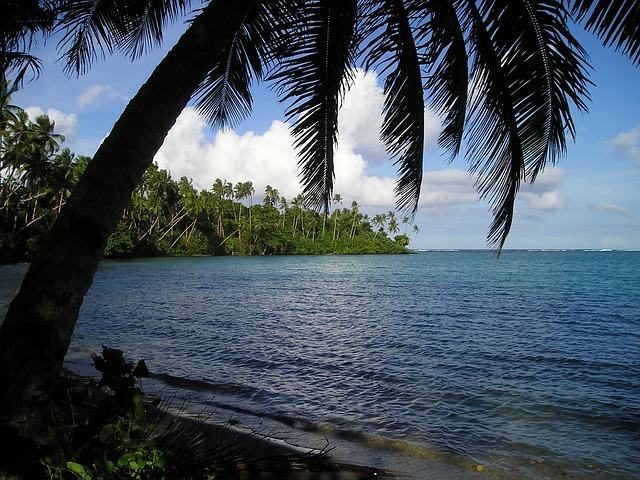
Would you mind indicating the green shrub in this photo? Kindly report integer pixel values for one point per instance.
(111, 440)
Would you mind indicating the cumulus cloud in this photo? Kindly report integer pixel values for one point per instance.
(447, 188)
(266, 159)
(627, 144)
(65, 123)
(360, 117)
(99, 94)
(545, 193)
(269, 158)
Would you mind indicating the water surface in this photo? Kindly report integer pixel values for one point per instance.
(528, 365)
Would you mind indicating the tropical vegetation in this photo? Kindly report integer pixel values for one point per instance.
(36, 178)
(505, 75)
(168, 217)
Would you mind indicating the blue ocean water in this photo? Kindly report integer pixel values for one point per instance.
(528, 365)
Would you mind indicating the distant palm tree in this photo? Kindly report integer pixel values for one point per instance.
(355, 218)
(337, 199)
(283, 206)
(504, 74)
(393, 223)
(271, 196)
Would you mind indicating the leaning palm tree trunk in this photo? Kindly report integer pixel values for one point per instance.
(36, 333)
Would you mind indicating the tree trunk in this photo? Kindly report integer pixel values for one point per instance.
(36, 333)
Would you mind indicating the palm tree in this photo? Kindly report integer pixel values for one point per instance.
(355, 220)
(504, 74)
(271, 196)
(393, 223)
(20, 24)
(337, 198)
(283, 206)
(379, 220)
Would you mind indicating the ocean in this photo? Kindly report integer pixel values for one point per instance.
(525, 367)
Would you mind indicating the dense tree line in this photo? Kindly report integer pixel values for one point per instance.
(168, 217)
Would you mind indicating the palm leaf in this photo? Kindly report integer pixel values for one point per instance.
(20, 23)
(313, 78)
(392, 48)
(224, 98)
(95, 28)
(147, 20)
(615, 22)
(527, 70)
(86, 25)
(447, 64)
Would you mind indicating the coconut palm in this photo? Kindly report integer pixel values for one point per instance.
(271, 196)
(20, 23)
(504, 74)
(379, 220)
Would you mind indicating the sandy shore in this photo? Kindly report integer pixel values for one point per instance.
(248, 453)
(254, 456)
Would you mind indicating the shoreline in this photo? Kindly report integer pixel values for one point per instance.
(269, 449)
(345, 455)
(269, 457)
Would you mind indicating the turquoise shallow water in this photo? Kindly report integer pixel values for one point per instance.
(528, 365)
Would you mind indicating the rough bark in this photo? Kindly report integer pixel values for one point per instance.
(37, 330)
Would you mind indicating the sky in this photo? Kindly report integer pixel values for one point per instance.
(589, 200)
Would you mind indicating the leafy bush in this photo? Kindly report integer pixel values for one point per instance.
(112, 439)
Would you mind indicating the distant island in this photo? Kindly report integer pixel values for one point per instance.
(166, 217)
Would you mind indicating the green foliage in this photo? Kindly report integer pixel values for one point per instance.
(36, 179)
(113, 439)
(172, 218)
(167, 217)
(120, 243)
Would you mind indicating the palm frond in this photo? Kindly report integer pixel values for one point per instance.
(96, 28)
(448, 69)
(146, 21)
(87, 26)
(16, 65)
(615, 22)
(392, 48)
(528, 70)
(20, 23)
(224, 98)
(313, 78)
(493, 147)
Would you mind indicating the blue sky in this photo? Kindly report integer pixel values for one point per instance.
(590, 200)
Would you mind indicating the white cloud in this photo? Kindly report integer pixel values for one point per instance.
(610, 208)
(97, 95)
(65, 123)
(266, 159)
(545, 194)
(546, 201)
(447, 188)
(360, 117)
(269, 158)
(627, 144)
